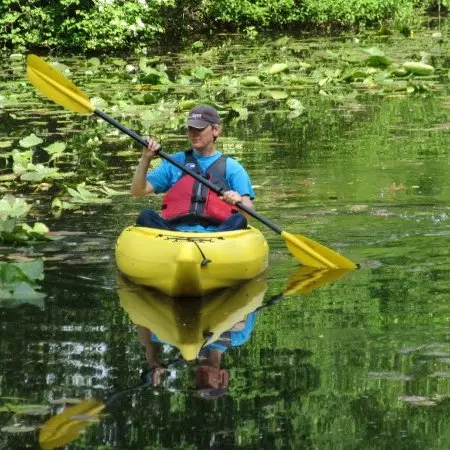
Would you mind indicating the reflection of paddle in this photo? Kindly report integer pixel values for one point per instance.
(305, 280)
(62, 91)
(67, 426)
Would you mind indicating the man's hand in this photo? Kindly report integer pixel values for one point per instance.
(152, 149)
(231, 197)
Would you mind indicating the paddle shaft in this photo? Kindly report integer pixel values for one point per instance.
(183, 168)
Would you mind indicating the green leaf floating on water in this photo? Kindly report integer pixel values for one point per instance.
(30, 141)
(277, 95)
(377, 58)
(13, 274)
(418, 68)
(18, 428)
(13, 207)
(39, 172)
(12, 210)
(55, 150)
(99, 102)
(186, 105)
(16, 57)
(278, 68)
(251, 80)
(18, 283)
(82, 195)
(154, 76)
(202, 73)
(242, 111)
(5, 144)
(197, 45)
(38, 228)
(93, 63)
(61, 68)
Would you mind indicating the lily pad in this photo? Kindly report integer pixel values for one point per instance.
(418, 68)
(202, 73)
(251, 80)
(55, 150)
(197, 45)
(277, 95)
(93, 62)
(278, 68)
(17, 429)
(30, 141)
(39, 172)
(16, 57)
(5, 144)
(11, 206)
(61, 68)
(186, 105)
(99, 102)
(377, 58)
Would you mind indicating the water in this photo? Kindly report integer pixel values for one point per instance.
(361, 362)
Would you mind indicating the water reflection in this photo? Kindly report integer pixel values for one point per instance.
(201, 328)
(205, 328)
(176, 333)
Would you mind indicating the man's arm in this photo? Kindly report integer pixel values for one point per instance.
(151, 348)
(139, 185)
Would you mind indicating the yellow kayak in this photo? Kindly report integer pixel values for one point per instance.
(181, 264)
(192, 323)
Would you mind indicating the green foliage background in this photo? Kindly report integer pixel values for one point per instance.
(96, 25)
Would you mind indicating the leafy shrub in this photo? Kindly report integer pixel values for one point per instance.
(81, 24)
(128, 24)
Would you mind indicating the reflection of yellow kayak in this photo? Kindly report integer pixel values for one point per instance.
(183, 264)
(184, 324)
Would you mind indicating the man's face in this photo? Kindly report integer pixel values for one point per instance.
(204, 137)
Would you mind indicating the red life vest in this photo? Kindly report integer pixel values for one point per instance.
(190, 202)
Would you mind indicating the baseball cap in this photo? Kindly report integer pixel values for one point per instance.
(201, 116)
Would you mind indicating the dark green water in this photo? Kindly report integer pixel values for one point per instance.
(363, 362)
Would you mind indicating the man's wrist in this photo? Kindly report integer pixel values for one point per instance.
(146, 157)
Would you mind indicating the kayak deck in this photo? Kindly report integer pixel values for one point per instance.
(188, 264)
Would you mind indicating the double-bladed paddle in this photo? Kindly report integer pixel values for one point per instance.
(58, 88)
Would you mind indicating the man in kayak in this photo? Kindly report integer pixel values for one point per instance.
(188, 205)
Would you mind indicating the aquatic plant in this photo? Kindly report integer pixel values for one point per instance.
(19, 283)
(12, 213)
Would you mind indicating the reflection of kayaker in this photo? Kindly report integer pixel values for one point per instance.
(207, 327)
(211, 380)
(203, 329)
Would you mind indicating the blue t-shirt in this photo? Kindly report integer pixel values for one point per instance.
(166, 175)
(236, 338)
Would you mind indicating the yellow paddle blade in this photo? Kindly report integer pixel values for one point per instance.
(56, 86)
(65, 427)
(313, 254)
(306, 279)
